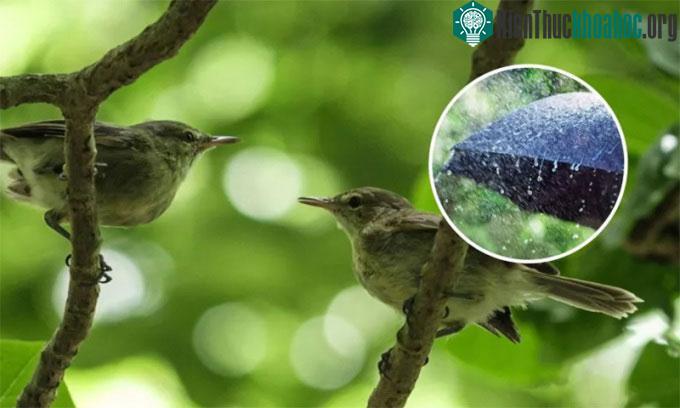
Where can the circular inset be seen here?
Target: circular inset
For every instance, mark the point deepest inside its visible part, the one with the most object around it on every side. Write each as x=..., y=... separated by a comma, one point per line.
x=528, y=163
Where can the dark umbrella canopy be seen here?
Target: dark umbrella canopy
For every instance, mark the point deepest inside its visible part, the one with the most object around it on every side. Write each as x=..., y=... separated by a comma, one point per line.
x=561, y=155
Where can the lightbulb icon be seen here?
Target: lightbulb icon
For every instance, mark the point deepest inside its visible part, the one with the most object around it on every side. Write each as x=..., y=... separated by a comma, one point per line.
x=473, y=21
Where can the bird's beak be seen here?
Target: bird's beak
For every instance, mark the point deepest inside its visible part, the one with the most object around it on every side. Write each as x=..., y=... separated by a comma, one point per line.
x=216, y=141
x=326, y=203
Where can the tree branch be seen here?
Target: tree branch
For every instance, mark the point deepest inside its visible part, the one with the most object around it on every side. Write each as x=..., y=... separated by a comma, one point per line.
x=498, y=52
x=79, y=95
x=415, y=338
x=158, y=42
x=32, y=88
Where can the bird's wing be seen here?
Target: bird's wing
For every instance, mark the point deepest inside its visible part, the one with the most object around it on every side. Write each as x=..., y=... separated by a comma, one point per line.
x=105, y=135
x=413, y=221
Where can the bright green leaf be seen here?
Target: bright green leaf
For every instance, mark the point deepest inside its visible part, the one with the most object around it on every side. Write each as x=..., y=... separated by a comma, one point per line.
x=19, y=359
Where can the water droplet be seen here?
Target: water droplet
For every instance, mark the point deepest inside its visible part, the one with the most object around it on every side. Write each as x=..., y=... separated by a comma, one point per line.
x=571, y=176
x=554, y=169
x=504, y=248
x=575, y=236
x=449, y=172
x=529, y=192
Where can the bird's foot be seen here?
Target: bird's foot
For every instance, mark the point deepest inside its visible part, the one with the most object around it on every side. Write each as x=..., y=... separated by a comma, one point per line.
x=384, y=363
x=99, y=165
x=103, y=277
x=407, y=307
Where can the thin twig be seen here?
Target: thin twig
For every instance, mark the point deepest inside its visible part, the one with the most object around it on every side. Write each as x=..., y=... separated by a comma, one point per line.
x=415, y=338
x=79, y=95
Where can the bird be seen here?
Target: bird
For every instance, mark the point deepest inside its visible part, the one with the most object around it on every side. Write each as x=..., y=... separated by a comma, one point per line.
x=391, y=241
x=139, y=168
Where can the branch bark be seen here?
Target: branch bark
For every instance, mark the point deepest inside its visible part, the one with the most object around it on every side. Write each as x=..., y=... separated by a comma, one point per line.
x=79, y=95
x=498, y=52
x=415, y=338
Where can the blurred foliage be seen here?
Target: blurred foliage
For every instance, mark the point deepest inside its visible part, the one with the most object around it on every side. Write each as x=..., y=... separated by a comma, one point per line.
x=338, y=95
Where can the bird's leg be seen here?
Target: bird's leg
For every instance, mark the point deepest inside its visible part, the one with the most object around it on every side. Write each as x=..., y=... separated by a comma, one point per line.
x=53, y=219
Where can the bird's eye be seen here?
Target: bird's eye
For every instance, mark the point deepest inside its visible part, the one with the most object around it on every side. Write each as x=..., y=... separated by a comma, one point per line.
x=354, y=202
x=189, y=136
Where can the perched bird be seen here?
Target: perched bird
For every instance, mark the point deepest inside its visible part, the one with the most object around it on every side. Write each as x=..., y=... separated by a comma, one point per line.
x=391, y=241
x=139, y=168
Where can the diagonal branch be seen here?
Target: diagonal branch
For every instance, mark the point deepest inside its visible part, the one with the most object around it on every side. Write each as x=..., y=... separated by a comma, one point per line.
x=79, y=95
x=161, y=40
x=415, y=338
x=498, y=52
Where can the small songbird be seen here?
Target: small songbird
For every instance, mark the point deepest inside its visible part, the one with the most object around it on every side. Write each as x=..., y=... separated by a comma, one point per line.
x=391, y=241
x=139, y=168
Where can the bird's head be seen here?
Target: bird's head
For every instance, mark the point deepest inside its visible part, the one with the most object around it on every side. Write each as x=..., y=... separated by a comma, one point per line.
x=356, y=208
x=182, y=140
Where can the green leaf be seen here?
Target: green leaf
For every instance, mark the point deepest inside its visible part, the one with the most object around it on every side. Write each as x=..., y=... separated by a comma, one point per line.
x=19, y=359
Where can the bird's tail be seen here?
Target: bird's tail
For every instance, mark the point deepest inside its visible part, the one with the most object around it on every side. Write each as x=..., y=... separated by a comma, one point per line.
x=591, y=296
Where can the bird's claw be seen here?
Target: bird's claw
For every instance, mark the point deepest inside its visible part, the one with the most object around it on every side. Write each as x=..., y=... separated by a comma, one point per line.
x=97, y=166
x=103, y=276
x=408, y=305
x=384, y=363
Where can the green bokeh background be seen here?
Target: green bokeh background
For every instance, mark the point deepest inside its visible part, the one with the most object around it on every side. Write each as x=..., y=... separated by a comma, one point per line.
x=238, y=297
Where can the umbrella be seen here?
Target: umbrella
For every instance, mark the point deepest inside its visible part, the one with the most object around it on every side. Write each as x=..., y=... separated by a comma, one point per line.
x=561, y=155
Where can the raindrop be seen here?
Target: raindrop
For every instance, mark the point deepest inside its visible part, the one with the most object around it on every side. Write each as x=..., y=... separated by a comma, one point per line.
x=575, y=236
x=539, y=178
x=554, y=169
x=498, y=171
x=530, y=192
x=571, y=176
x=504, y=248
x=580, y=210
x=517, y=163
x=502, y=191
x=449, y=173
x=535, y=161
